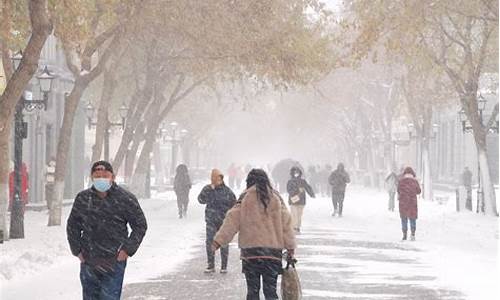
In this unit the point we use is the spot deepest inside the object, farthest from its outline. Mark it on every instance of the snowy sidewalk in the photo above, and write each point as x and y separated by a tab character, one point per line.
360	256
330	268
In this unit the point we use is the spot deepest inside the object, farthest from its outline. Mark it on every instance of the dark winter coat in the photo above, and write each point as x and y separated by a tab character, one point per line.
182	184
218	201
408	189
298	186
97	227
339	179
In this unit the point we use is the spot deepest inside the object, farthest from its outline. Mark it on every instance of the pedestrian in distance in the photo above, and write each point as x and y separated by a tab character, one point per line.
338	180
265	230
391	185
408	189
218	199
467	183
98	234
182	185
297	187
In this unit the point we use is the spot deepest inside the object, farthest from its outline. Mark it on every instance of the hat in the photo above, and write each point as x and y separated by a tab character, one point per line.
409	170
107	166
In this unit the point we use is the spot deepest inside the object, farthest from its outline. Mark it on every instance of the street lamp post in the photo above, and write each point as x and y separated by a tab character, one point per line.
418	145
466	127
90	111
173	165
20	133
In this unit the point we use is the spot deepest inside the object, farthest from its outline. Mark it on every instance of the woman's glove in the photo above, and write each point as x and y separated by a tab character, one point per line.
215	246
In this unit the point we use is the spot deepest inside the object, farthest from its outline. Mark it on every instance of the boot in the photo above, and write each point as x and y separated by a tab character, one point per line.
404	235
412	237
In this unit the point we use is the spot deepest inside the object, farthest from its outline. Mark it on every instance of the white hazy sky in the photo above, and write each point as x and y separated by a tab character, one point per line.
332	4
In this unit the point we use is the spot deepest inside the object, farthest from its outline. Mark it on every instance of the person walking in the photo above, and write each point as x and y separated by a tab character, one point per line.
297	187
218	199
265	230
338	180
232	173
391	185
182	185
24	187
467	183
98	235
408	189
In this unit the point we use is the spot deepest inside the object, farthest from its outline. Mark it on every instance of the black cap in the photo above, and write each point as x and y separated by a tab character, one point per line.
107	166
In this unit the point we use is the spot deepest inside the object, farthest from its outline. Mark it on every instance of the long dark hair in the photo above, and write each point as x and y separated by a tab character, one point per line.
182	173
259	178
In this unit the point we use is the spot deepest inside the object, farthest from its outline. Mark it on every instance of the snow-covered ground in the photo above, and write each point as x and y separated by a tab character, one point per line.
42	267
459	250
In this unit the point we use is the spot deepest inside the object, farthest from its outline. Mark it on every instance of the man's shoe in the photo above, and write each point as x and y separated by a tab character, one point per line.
223	271
404	236
209	270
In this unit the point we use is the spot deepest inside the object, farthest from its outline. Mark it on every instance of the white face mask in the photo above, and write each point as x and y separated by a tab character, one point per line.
296	175
102	184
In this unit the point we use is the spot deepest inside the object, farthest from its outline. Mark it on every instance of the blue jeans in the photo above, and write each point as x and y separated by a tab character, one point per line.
100	285
413	224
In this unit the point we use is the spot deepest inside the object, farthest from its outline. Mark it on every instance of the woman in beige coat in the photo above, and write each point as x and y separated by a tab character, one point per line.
265	230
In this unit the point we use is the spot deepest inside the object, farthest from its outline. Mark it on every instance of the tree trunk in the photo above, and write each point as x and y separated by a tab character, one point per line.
63	149
132	151
426	170
108	89
138	183
490	204
469	104
41	28
4	175
157	160
141	99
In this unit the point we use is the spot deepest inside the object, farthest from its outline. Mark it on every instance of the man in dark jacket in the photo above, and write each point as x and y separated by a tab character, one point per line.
297	187
338	180
98	235
218	199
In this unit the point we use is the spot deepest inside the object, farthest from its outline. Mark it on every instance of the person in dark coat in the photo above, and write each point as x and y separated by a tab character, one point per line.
98	234
408	189
391	184
23	188
297	187
218	199
467	183
182	185
338	180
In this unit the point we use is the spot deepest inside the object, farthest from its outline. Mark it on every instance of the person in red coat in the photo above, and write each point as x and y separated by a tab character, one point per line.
408	189
24	186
